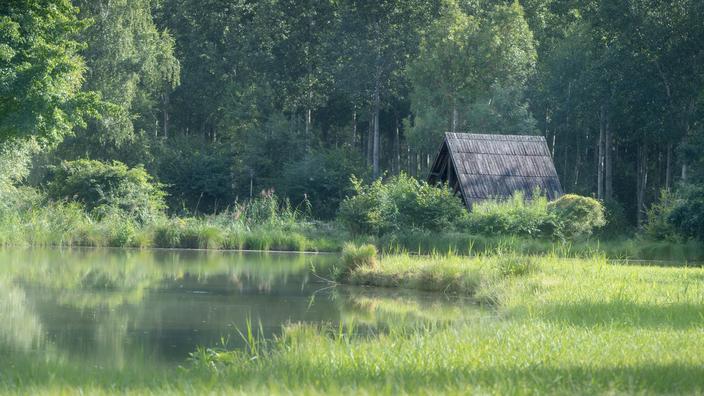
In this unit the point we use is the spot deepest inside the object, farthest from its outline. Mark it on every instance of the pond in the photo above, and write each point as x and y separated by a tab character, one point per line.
117	308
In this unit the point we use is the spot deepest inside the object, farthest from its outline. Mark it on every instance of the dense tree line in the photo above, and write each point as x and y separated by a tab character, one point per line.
222	99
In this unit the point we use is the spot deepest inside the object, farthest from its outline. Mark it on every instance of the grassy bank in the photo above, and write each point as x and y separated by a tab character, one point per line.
276	228
70	225
422	242
566	326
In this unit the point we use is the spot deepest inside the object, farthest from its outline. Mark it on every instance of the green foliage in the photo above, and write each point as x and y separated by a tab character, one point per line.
321	178
687	213
133	67
578	216
197	178
485	55
400	203
104	188
41	71
617	222
658	225
514	216
354	257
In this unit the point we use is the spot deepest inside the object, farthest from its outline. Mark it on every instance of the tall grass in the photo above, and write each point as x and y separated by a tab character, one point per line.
263	224
423	242
476	276
355	257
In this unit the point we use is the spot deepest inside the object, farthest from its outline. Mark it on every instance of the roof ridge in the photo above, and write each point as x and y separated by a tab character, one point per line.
492	136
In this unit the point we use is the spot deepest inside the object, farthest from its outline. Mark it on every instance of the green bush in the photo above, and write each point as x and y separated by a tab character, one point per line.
658	226
103	188
401	203
687	213
617	222
321	178
577	215
514	216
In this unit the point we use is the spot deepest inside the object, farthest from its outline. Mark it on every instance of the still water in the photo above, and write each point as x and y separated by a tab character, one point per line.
116	308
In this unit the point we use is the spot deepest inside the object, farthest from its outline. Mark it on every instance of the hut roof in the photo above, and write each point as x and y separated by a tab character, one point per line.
483	166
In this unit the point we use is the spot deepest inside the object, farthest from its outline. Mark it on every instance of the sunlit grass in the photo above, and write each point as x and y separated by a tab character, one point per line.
569	326
559	326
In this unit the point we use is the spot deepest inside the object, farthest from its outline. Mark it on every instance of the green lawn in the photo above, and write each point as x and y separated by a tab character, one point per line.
564	326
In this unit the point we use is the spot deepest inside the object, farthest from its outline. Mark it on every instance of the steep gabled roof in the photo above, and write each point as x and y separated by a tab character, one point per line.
495	166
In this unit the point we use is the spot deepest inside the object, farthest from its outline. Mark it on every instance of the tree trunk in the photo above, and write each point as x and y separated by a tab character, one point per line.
354	127
455	116
308	122
609	162
370	139
668	166
684	172
641	183
166	114
600	155
397	148
376	148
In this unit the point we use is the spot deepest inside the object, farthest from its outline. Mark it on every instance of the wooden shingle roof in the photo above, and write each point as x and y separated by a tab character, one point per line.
495	166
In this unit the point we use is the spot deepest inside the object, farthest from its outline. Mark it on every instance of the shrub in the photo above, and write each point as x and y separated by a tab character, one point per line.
577	215
515	216
687	214
617	223
103	188
321	177
658	225
198	177
399	204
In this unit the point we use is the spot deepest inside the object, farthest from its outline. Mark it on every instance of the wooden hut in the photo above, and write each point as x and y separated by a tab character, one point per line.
481	166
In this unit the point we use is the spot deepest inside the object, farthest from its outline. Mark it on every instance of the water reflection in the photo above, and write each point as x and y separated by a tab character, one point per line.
118	308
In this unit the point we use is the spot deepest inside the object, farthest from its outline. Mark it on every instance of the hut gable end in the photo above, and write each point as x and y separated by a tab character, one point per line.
484	166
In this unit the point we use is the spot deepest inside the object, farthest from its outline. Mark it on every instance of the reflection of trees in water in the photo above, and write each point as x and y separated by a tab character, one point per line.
390	308
114	285
87	278
20	327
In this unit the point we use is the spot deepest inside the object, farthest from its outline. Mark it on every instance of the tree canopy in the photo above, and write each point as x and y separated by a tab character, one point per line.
220	100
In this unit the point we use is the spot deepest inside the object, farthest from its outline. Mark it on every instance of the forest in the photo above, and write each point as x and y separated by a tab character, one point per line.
220	101
233	197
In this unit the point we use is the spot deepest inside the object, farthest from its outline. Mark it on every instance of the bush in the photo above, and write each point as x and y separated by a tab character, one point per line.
687	213
617	223
198	177
104	188
515	216
577	215
658	225
322	178
401	203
